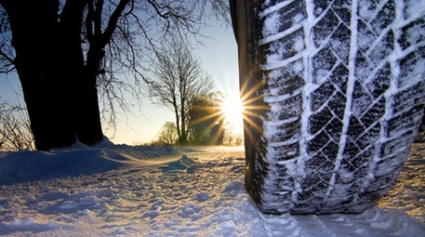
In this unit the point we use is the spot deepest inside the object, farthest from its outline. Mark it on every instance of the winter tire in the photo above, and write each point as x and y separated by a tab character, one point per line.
335	93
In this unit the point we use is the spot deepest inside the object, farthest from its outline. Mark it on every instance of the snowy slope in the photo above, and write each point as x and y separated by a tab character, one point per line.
113	190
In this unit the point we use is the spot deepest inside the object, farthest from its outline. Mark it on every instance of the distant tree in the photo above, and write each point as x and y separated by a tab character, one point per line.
231	136
206	120
67	51
168	134
15	132
239	139
178	79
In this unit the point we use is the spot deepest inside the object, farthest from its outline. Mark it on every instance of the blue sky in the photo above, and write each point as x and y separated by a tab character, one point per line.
219	58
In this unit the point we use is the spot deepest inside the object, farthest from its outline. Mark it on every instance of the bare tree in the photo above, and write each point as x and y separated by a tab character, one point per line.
179	78
15	132
239	139
232	138
67	51
168	134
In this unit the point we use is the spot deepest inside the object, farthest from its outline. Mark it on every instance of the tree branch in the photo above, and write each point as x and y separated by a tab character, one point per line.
113	20
89	19
10	60
158	10
97	18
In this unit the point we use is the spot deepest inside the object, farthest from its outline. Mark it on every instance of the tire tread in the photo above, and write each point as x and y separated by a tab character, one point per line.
336	139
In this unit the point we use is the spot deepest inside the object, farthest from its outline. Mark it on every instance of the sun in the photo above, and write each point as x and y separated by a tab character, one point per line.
233	109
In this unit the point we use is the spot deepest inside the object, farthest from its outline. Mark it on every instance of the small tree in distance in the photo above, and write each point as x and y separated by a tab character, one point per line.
15	131
178	79
168	134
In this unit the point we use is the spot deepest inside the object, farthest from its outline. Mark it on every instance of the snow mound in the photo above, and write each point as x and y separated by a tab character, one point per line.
77	160
185	164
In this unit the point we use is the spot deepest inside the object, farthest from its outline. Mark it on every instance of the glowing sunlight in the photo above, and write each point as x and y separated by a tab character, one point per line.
232	109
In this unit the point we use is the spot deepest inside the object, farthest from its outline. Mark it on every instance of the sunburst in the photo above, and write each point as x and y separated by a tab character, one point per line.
233	109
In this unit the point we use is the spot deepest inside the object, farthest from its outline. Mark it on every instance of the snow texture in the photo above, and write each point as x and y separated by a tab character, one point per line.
345	86
153	191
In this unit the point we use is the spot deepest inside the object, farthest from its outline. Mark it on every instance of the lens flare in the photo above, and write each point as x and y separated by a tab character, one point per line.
232	110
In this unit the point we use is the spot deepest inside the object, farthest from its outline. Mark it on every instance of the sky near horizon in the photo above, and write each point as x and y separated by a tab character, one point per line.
218	56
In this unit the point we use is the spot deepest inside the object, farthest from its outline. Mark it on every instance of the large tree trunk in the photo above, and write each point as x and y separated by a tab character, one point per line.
37	66
87	124
59	92
50	121
82	77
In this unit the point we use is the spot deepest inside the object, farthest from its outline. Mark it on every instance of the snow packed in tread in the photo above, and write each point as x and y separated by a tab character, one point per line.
383	87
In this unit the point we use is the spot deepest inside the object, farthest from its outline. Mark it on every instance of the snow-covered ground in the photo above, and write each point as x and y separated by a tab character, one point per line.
112	190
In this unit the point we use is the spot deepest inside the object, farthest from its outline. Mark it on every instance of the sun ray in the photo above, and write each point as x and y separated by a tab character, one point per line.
233	109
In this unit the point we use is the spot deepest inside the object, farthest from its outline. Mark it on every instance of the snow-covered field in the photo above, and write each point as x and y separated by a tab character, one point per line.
111	190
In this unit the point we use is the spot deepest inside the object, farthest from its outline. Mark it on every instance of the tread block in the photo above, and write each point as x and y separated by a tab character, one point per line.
315	162
285	131
337	104
350	150
331	151
355	128
319	120
286	47
340	42
285	80
361	100
285	152
410	36
368	36
334	129
375	112
339	77
317	142
384	17
391	146
412	67
382	49
323	62
340	7
321	95
364	67
289	108
380	82
411	96
404	121
286	16
371	136
324	28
